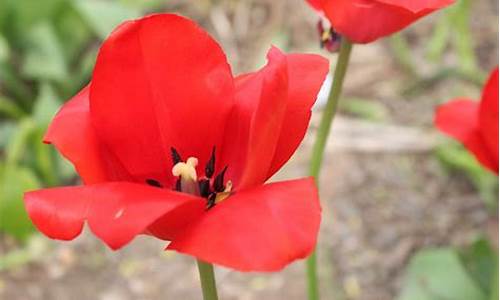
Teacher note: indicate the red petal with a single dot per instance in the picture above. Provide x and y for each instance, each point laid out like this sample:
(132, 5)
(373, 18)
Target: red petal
(116, 212)
(488, 117)
(160, 82)
(306, 74)
(417, 6)
(316, 4)
(73, 135)
(363, 21)
(262, 229)
(255, 123)
(459, 119)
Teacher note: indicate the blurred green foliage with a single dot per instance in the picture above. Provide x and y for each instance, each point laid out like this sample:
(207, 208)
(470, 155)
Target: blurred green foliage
(456, 159)
(449, 273)
(47, 52)
(452, 30)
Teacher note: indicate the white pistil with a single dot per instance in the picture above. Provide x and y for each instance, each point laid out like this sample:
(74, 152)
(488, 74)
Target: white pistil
(186, 171)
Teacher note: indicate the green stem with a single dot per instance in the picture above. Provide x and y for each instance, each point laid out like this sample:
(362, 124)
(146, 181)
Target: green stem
(320, 143)
(207, 280)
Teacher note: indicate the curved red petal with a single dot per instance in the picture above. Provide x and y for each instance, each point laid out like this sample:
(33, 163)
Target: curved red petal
(417, 6)
(116, 212)
(488, 117)
(160, 82)
(56, 216)
(255, 123)
(306, 73)
(363, 21)
(459, 119)
(91, 159)
(262, 229)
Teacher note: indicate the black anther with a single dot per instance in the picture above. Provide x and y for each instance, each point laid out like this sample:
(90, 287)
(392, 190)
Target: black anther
(176, 158)
(210, 167)
(154, 183)
(204, 185)
(211, 201)
(219, 181)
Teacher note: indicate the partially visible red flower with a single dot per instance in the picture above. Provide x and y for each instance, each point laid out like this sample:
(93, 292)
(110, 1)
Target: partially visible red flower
(474, 124)
(170, 144)
(363, 21)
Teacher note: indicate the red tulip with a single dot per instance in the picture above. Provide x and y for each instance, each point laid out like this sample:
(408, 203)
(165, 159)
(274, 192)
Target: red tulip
(363, 21)
(170, 144)
(474, 124)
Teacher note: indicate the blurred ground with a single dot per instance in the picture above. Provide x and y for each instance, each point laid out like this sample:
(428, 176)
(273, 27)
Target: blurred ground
(384, 193)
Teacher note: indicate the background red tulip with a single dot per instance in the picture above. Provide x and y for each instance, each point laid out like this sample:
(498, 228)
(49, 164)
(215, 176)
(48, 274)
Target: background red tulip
(474, 124)
(363, 21)
(163, 116)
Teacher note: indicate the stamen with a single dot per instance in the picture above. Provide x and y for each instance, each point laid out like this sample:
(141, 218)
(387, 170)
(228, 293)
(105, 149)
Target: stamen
(154, 183)
(210, 167)
(219, 181)
(204, 185)
(176, 158)
(186, 171)
(215, 198)
(227, 191)
(211, 201)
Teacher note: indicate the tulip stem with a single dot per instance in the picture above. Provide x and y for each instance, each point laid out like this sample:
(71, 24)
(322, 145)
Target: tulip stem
(207, 279)
(320, 143)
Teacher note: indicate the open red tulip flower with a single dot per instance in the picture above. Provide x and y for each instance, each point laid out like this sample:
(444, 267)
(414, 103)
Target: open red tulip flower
(169, 144)
(363, 21)
(475, 124)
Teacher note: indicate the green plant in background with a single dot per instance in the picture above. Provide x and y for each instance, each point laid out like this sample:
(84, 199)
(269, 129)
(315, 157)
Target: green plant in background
(47, 51)
(453, 29)
(455, 159)
(449, 273)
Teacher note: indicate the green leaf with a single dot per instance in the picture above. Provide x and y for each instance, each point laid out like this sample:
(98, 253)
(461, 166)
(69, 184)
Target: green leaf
(13, 84)
(480, 261)
(439, 39)
(46, 106)
(16, 147)
(150, 5)
(7, 130)
(73, 30)
(455, 158)
(103, 16)
(464, 42)
(494, 282)
(14, 181)
(438, 274)
(4, 48)
(44, 56)
(9, 108)
(403, 54)
(18, 18)
(365, 109)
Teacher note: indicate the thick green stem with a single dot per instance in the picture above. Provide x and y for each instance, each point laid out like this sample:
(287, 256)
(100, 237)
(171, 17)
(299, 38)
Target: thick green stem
(207, 280)
(320, 143)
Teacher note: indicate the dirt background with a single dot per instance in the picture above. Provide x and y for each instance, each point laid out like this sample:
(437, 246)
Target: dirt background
(384, 193)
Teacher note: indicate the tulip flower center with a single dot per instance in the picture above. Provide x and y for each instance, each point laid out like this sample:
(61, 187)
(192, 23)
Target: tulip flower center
(329, 38)
(214, 189)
